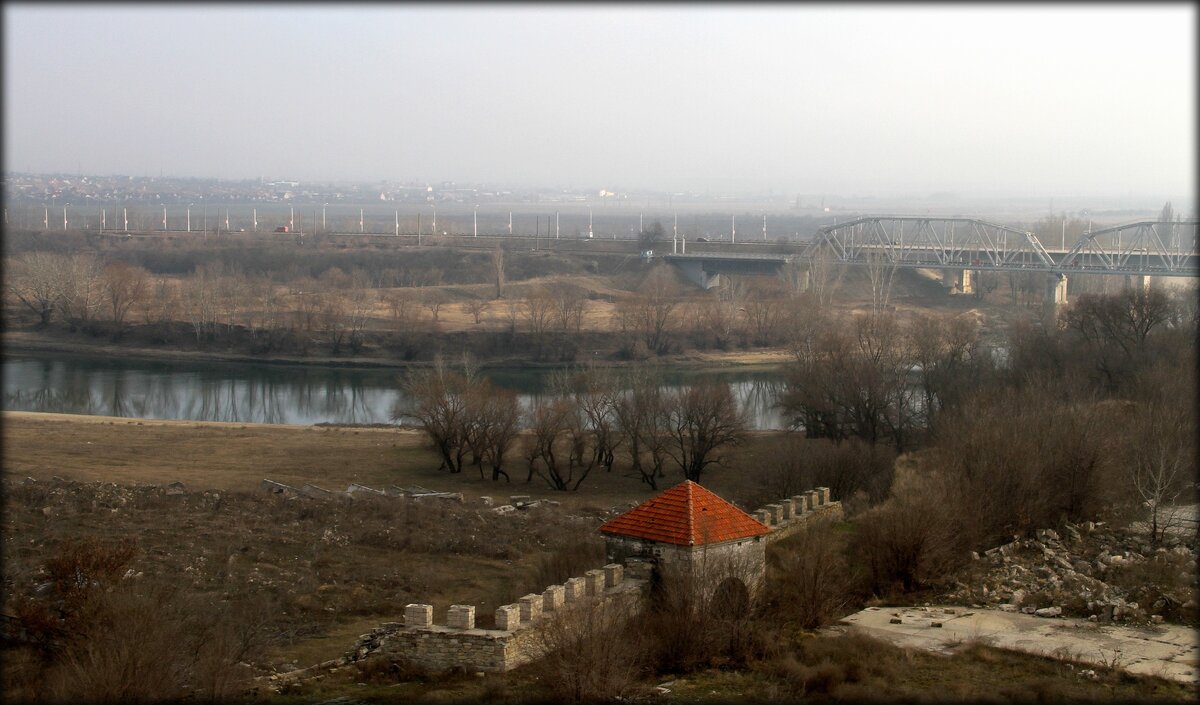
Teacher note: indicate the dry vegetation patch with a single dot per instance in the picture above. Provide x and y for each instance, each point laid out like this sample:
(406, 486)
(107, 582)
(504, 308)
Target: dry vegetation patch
(305, 568)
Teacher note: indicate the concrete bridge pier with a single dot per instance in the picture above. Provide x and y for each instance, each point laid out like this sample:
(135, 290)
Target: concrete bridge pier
(1056, 295)
(958, 281)
(1137, 281)
(694, 271)
(805, 280)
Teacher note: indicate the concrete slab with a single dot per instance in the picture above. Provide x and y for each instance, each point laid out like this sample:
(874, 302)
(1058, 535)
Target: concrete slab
(1165, 650)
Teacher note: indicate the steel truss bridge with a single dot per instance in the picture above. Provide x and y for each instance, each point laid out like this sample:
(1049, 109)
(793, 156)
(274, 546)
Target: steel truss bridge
(1147, 248)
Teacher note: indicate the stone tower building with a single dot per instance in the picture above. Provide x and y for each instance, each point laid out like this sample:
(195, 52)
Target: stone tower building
(688, 530)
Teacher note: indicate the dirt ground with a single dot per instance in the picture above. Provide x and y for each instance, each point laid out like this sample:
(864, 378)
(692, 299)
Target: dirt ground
(232, 456)
(113, 473)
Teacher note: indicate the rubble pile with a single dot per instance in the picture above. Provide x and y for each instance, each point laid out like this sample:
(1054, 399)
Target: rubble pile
(1093, 571)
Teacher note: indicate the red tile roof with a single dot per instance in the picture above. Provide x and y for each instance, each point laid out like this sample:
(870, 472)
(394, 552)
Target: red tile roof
(685, 515)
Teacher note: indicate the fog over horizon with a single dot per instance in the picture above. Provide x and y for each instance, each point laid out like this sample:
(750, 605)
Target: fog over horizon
(1024, 101)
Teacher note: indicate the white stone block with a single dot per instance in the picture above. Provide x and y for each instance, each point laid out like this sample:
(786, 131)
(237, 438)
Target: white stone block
(508, 617)
(461, 616)
(575, 589)
(613, 574)
(418, 615)
(594, 582)
(531, 607)
(553, 598)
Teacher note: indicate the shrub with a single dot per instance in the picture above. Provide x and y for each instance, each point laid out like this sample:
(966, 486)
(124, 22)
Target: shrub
(589, 652)
(810, 582)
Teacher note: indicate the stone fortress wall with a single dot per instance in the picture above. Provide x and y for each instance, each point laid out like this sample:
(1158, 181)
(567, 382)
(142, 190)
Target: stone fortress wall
(515, 639)
(787, 516)
(513, 642)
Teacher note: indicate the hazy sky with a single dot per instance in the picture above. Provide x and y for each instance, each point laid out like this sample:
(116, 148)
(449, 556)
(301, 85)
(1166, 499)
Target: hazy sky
(1015, 99)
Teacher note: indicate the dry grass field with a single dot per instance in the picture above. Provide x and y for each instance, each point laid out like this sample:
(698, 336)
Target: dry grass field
(315, 574)
(327, 571)
(232, 456)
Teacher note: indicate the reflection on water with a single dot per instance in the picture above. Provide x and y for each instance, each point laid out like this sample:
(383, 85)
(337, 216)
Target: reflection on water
(251, 393)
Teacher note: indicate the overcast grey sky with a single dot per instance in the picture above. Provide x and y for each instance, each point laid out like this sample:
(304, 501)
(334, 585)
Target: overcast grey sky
(1020, 99)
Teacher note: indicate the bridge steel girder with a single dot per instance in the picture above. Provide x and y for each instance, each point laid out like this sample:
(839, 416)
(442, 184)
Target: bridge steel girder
(918, 241)
(1147, 247)
(1154, 248)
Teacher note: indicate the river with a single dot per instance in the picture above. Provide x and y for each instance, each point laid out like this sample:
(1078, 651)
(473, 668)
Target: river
(285, 394)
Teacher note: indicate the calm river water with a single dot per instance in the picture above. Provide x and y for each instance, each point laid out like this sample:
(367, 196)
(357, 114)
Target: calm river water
(263, 393)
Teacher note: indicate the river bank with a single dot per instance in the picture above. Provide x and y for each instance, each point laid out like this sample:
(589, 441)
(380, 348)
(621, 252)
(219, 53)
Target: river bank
(28, 342)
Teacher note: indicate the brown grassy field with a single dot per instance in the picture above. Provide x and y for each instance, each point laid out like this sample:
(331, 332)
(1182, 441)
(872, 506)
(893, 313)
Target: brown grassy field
(232, 456)
(321, 573)
(330, 570)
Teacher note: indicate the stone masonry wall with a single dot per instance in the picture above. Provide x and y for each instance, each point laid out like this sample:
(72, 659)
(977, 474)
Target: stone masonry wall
(787, 516)
(515, 640)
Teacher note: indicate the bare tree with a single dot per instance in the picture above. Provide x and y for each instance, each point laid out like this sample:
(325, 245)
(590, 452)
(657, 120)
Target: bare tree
(1116, 327)
(272, 313)
(306, 292)
(720, 312)
(36, 279)
(201, 294)
(500, 426)
(437, 399)
(811, 581)
(360, 303)
(512, 315)
(126, 286)
(1163, 462)
(333, 319)
(639, 417)
(587, 652)
(476, 307)
(701, 421)
(881, 272)
(825, 275)
(568, 303)
(538, 307)
(433, 300)
(595, 391)
(162, 303)
(941, 348)
(498, 270)
(846, 469)
(649, 315)
(764, 311)
(556, 449)
(402, 311)
(83, 289)
(852, 380)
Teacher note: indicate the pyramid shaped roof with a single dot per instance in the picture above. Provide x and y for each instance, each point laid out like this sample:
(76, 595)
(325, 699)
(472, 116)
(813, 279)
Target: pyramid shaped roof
(685, 515)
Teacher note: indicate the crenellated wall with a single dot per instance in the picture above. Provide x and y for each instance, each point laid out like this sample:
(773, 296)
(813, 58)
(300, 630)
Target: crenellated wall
(513, 642)
(787, 516)
(515, 639)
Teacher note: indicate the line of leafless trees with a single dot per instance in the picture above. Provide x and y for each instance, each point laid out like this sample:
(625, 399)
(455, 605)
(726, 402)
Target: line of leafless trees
(588, 419)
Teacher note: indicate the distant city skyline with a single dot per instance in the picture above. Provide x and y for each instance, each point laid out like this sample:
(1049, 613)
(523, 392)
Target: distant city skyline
(976, 101)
